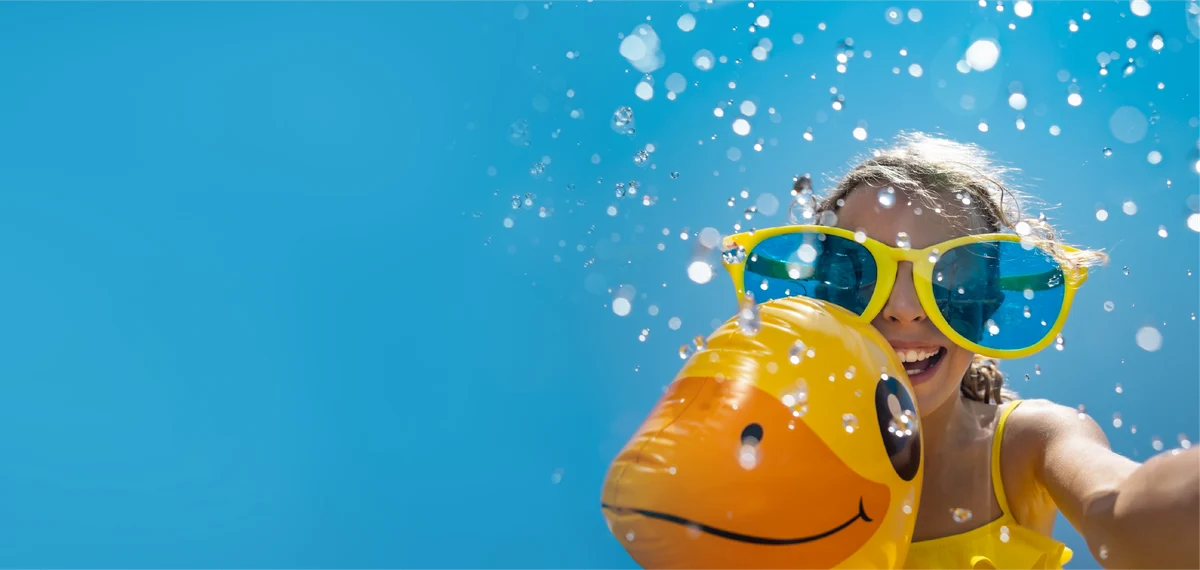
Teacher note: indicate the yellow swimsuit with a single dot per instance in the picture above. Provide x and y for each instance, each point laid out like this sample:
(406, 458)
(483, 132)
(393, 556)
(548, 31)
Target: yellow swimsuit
(1000, 544)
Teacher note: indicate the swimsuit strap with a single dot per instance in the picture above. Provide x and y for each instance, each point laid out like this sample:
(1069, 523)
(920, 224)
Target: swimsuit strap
(997, 438)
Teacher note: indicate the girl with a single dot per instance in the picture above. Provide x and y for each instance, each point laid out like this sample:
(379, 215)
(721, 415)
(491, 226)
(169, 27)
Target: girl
(997, 469)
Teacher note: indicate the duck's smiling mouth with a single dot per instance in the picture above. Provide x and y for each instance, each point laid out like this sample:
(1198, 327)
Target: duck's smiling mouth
(862, 514)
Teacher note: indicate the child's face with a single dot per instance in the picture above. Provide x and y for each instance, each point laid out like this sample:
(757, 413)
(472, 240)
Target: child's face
(903, 321)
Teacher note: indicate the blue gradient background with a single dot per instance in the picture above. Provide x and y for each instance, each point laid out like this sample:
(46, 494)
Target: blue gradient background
(260, 309)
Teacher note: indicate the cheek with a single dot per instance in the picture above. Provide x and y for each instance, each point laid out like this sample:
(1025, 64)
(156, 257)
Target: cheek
(933, 394)
(958, 359)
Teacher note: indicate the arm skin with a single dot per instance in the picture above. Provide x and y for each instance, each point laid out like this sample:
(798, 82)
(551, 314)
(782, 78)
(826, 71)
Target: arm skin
(1141, 515)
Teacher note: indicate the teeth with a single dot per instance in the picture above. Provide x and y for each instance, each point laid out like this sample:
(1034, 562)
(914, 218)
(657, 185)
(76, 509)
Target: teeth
(911, 355)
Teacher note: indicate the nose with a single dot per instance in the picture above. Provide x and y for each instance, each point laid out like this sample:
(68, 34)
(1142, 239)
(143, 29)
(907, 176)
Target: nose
(903, 306)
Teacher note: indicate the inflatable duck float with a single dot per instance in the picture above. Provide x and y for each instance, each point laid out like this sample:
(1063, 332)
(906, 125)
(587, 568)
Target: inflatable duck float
(790, 441)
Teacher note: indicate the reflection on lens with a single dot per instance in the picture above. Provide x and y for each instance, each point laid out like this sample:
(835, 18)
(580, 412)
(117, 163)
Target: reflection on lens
(815, 265)
(987, 292)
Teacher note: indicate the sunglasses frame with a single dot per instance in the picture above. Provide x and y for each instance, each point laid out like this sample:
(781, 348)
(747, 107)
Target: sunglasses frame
(887, 261)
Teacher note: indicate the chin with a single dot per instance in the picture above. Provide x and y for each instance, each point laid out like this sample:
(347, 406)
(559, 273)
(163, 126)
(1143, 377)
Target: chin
(934, 390)
(931, 395)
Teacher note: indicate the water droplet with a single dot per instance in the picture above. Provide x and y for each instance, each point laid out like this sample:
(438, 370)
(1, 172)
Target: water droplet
(1107, 152)
(700, 271)
(741, 126)
(934, 256)
(622, 120)
(901, 421)
(1193, 221)
(1156, 42)
(629, 536)
(849, 422)
(961, 515)
(982, 55)
(887, 197)
(685, 351)
(1156, 443)
(748, 317)
(641, 157)
(1103, 552)
(518, 133)
(1149, 339)
(902, 240)
(735, 255)
(748, 455)
(621, 306)
(795, 353)
(1116, 422)
(1109, 306)
(674, 176)
(796, 398)
(1037, 369)
(1125, 270)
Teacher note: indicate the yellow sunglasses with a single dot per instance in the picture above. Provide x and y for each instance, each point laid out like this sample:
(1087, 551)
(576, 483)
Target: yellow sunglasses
(998, 295)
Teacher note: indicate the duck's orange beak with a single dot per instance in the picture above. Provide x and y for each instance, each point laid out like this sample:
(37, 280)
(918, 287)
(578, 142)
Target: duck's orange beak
(722, 474)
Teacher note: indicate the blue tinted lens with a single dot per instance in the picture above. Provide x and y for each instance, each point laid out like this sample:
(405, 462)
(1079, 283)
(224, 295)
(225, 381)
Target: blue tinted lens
(999, 294)
(809, 264)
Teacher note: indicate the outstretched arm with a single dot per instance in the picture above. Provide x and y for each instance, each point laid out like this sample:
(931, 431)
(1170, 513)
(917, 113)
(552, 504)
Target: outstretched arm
(1132, 515)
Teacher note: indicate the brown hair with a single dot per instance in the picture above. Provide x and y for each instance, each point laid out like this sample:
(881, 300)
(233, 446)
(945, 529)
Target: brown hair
(929, 169)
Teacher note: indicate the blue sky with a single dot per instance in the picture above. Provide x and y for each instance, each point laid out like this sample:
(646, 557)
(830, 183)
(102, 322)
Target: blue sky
(262, 308)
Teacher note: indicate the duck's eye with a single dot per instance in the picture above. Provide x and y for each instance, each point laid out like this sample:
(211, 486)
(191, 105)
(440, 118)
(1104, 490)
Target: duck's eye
(752, 434)
(899, 426)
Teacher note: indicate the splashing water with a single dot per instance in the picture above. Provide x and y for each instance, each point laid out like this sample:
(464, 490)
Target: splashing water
(961, 515)
(980, 62)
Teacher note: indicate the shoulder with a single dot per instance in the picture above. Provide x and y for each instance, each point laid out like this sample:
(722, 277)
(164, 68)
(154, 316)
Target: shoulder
(1037, 420)
(1039, 435)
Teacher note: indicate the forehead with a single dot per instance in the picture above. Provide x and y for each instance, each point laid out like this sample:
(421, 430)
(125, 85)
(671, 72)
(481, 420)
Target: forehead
(883, 213)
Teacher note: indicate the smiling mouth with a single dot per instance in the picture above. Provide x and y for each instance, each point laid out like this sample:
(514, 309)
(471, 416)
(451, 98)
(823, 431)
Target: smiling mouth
(916, 367)
(862, 514)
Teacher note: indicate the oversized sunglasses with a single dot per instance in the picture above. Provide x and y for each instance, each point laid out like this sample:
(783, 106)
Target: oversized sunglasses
(998, 295)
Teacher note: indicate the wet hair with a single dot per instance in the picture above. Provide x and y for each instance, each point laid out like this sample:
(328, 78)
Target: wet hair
(933, 170)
